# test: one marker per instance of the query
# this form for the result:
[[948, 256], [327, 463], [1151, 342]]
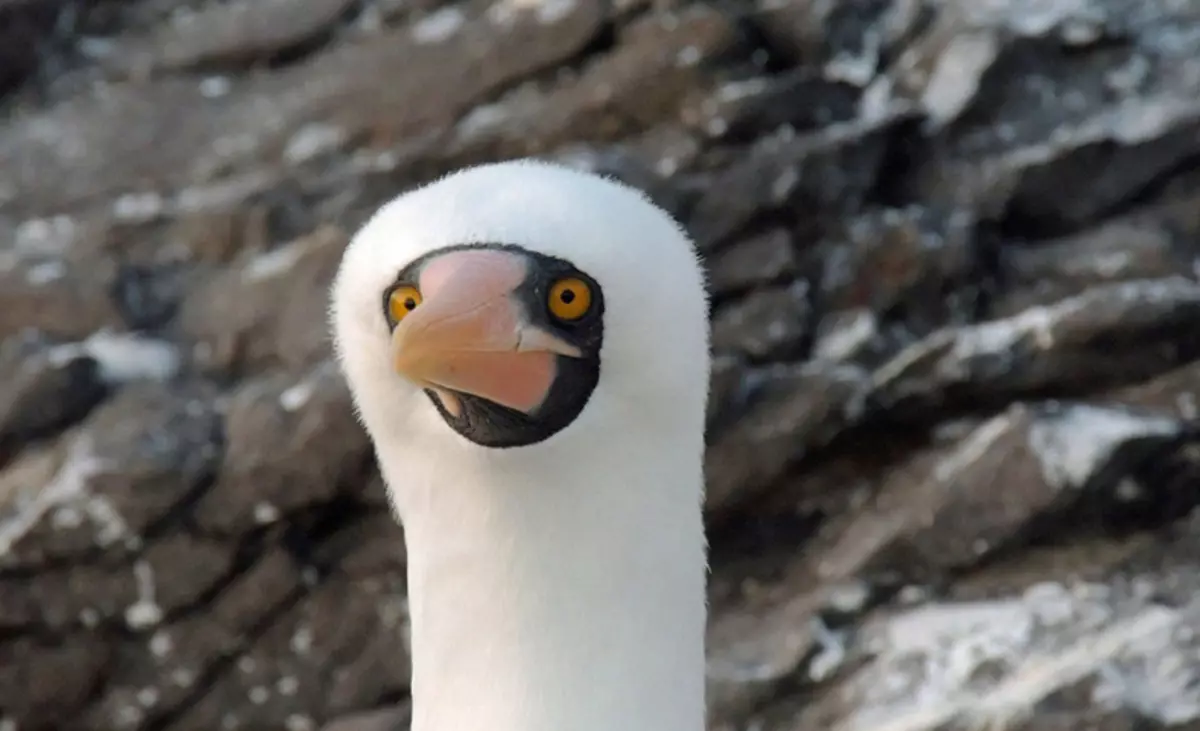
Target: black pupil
[[567, 296], [410, 304]]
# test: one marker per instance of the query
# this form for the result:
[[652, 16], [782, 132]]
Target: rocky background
[[954, 248]]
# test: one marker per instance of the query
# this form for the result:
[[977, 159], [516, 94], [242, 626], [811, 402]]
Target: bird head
[[517, 303]]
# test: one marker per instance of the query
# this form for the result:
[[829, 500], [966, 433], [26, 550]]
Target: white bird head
[[519, 305]]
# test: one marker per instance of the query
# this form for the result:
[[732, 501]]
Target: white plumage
[[556, 585]]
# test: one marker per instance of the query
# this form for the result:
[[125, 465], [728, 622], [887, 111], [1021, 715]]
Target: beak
[[470, 334]]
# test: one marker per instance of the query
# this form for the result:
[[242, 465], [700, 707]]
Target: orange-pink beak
[[470, 334]]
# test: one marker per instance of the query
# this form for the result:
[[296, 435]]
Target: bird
[[526, 345]]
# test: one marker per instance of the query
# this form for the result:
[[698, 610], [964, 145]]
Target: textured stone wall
[[953, 441]]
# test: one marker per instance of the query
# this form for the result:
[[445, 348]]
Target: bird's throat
[[541, 602]]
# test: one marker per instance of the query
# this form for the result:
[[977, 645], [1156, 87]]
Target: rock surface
[[954, 438]]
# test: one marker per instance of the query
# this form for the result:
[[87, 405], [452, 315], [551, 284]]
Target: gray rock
[[226, 37], [760, 260]]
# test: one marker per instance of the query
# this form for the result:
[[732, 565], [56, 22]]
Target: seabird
[[527, 347]]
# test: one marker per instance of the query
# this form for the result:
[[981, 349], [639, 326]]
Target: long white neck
[[563, 593]]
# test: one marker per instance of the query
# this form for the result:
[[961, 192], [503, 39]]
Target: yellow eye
[[570, 298], [402, 301]]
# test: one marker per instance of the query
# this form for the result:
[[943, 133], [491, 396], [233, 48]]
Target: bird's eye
[[570, 298], [402, 301]]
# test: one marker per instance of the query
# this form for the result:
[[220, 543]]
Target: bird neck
[[555, 591]]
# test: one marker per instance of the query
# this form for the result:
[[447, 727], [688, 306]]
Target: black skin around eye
[[489, 424]]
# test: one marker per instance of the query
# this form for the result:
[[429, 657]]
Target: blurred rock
[[759, 260], [289, 445], [268, 309], [953, 430], [228, 36], [26, 30]]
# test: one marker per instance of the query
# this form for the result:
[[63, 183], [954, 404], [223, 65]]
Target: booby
[[527, 347]]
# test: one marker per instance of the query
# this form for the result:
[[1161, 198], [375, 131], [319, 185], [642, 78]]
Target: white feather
[[559, 585]]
